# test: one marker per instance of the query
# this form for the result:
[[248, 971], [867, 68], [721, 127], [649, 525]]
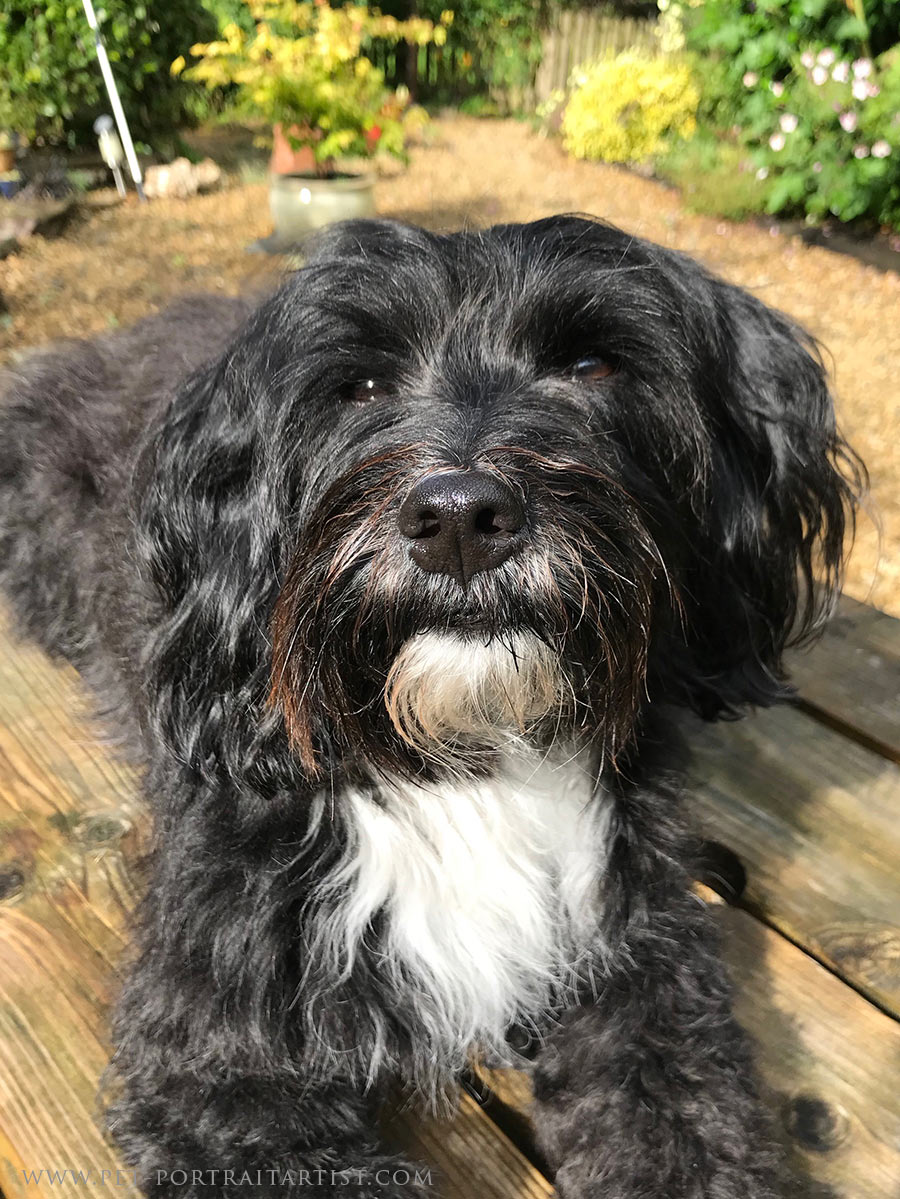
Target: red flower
[[372, 135]]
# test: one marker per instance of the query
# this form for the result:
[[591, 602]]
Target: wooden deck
[[803, 801]]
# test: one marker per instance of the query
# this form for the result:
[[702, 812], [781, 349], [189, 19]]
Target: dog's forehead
[[382, 282]]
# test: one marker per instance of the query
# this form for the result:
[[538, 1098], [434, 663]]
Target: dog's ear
[[209, 521], [778, 508]]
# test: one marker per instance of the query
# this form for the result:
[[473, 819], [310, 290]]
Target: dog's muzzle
[[459, 523]]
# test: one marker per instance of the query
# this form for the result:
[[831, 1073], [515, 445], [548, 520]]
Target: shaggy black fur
[[200, 514]]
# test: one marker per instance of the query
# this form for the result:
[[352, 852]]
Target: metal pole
[[118, 112]]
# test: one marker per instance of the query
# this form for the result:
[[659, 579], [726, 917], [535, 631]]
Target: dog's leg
[[212, 1070], [646, 1091]]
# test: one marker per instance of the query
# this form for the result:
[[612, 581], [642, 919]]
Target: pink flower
[[776, 142], [874, 90], [817, 168], [819, 76], [788, 123], [777, 88], [860, 151], [860, 89], [848, 121], [881, 149], [808, 59], [841, 72], [862, 68], [750, 79], [826, 57]]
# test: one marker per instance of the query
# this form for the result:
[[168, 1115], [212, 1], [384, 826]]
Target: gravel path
[[116, 264]]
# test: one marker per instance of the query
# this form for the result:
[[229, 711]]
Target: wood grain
[[472, 1160], [70, 825], [852, 678], [828, 1063], [813, 818]]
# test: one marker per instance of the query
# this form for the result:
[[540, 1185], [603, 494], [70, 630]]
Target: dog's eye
[[593, 369], [365, 390]]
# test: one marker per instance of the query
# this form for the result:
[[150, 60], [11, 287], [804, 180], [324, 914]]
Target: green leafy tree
[[50, 83]]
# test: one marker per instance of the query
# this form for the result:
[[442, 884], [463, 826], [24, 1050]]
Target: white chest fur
[[488, 892]]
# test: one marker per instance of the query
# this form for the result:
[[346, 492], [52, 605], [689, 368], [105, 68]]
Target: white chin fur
[[445, 689]]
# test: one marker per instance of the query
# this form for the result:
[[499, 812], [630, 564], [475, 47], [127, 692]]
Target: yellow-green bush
[[622, 108]]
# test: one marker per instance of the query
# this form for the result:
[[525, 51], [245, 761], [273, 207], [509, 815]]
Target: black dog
[[389, 582]]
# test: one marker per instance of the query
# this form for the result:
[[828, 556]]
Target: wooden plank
[[471, 1158], [69, 825], [812, 816], [826, 1058], [852, 678]]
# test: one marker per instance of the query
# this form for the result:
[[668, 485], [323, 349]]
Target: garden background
[[740, 132]]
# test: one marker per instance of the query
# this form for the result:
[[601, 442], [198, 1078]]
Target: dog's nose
[[462, 522]]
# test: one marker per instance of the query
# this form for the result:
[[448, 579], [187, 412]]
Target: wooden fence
[[450, 73], [579, 36]]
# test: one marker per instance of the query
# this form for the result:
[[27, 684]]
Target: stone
[[181, 178]]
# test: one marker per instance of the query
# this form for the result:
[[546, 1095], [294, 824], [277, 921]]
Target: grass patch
[[715, 178]]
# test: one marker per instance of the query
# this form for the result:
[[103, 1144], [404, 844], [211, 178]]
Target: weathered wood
[[812, 816], [577, 37], [472, 1159], [69, 826], [827, 1061], [853, 677]]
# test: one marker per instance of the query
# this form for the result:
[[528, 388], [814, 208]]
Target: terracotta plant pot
[[285, 159], [7, 159]]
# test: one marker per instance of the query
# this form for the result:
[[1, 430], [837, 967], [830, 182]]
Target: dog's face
[[525, 478]]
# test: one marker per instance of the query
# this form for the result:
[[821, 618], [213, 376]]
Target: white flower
[[750, 79], [826, 57], [817, 168], [848, 121], [776, 141], [777, 88], [788, 123], [862, 68], [881, 149], [819, 76], [841, 72], [874, 90], [762, 173], [860, 151], [808, 59], [860, 89]]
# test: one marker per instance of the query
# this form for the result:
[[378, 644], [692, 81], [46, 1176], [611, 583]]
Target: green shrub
[[829, 140], [302, 66], [623, 108], [50, 82], [715, 177], [796, 82]]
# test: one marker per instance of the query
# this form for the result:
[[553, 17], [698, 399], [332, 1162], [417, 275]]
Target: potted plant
[[8, 139], [303, 68], [7, 151]]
